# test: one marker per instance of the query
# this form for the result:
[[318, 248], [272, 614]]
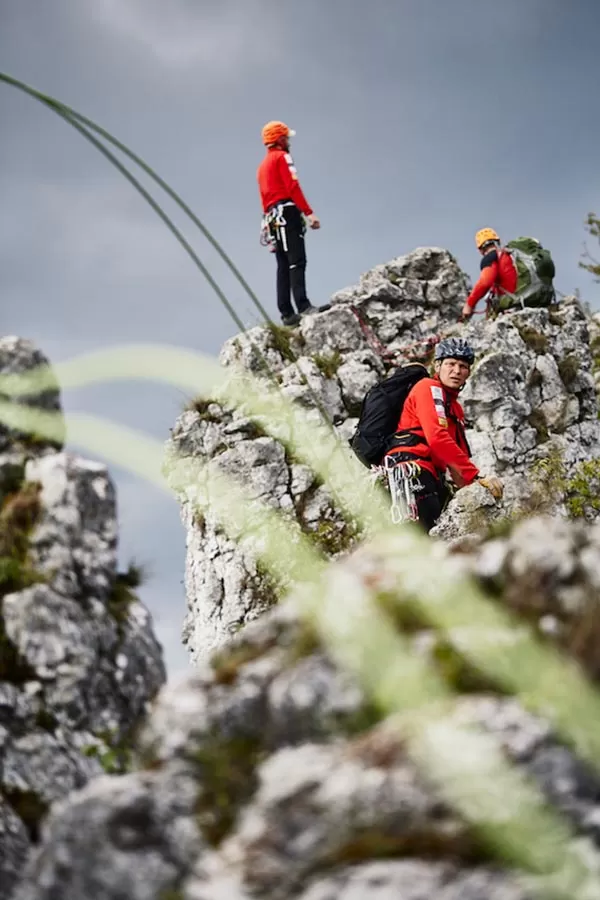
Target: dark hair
[[488, 246]]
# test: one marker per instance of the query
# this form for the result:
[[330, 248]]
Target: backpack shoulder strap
[[462, 437]]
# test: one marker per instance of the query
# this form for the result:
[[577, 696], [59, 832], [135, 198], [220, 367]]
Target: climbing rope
[[394, 357]]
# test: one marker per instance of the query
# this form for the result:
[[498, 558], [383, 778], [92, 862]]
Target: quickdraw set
[[273, 227], [401, 481]]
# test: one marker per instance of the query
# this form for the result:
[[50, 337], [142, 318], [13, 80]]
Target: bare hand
[[467, 312], [313, 222]]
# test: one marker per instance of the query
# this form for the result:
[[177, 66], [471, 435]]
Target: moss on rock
[[18, 515], [227, 776], [533, 338], [582, 490], [328, 363]]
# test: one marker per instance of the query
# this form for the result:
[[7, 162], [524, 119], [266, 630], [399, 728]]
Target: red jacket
[[497, 274], [278, 180], [433, 413]]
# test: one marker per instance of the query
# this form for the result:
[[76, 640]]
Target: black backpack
[[380, 412]]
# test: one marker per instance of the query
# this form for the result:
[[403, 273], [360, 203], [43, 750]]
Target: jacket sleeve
[[487, 279], [445, 452], [289, 177]]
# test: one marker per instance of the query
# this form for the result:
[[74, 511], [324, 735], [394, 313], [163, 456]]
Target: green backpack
[[535, 270]]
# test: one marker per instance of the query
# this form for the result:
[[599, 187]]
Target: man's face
[[453, 373]]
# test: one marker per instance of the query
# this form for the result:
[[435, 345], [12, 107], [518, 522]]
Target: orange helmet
[[274, 131], [485, 235]]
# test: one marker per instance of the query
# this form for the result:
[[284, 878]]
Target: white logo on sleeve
[[291, 166], [440, 407]]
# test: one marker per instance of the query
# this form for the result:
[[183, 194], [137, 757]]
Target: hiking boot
[[291, 320], [311, 310]]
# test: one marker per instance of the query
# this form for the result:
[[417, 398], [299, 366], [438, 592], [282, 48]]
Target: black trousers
[[431, 499], [290, 253]]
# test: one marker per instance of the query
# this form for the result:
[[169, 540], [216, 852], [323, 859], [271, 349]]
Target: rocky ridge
[[530, 403], [268, 771], [79, 661]]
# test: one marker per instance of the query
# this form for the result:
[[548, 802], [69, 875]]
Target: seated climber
[[517, 274], [498, 271], [431, 432]]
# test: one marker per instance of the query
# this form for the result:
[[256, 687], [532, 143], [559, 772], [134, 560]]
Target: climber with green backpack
[[515, 275]]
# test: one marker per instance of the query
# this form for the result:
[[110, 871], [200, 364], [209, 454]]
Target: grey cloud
[[224, 38]]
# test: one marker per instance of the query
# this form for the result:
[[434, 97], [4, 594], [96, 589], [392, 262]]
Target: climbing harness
[[400, 478], [273, 227]]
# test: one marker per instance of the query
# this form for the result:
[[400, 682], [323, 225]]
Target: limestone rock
[[530, 404], [79, 661], [329, 361], [21, 357], [267, 773]]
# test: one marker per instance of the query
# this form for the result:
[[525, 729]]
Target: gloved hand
[[493, 484]]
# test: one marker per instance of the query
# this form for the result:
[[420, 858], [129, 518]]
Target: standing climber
[[498, 272], [284, 206], [431, 433]]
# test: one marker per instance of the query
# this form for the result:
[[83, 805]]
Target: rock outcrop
[[530, 403], [79, 661], [268, 773]]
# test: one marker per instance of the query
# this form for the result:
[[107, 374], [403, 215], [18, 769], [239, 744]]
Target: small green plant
[[253, 429], [583, 490], [281, 340], [534, 378], [548, 484], [537, 421], [205, 409], [534, 339], [135, 575], [334, 538], [568, 369], [227, 774], [595, 351], [328, 363], [18, 515], [171, 893], [122, 593], [115, 757], [228, 663], [592, 265], [269, 591], [555, 317], [503, 525]]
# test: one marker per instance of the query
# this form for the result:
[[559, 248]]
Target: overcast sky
[[419, 121]]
